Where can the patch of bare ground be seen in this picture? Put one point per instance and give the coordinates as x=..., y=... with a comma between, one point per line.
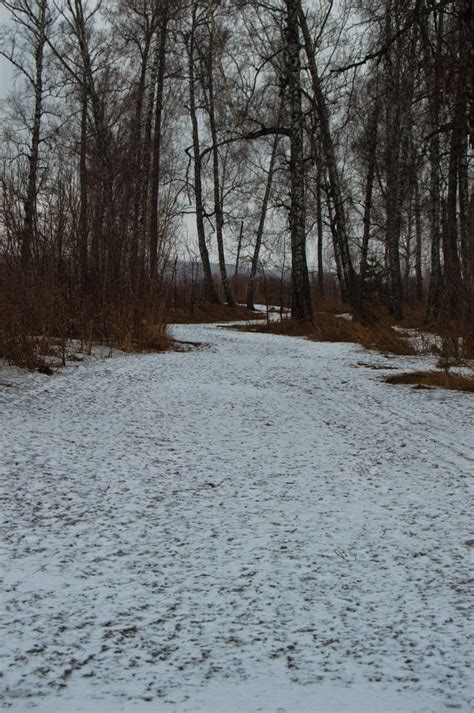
x=206, y=313
x=329, y=328
x=438, y=379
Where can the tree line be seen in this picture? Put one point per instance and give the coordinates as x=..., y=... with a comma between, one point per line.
x=263, y=133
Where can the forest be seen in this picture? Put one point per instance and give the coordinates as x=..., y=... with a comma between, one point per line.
x=159, y=154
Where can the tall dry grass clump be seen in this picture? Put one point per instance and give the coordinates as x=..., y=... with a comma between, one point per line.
x=40, y=316
x=380, y=336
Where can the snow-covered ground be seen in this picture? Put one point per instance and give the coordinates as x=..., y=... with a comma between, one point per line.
x=263, y=525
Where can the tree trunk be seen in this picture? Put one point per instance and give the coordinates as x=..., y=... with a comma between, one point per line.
x=408, y=245
x=239, y=248
x=261, y=226
x=219, y=218
x=372, y=136
x=209, y=287
x=419, y=237
x=393, y=187
x=139, y=194
x=452, y=302
x=339, y=222
x=84, y=199
x=433, y=81
x=301, y=298
x=336, y=248
x=32, y=187
x=319, y=226
x=156, y=148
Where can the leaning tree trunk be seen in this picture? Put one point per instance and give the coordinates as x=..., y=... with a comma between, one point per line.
x=219, y=217
x=336, y=249
x=339, y=224
x=301, y=297
x=209, y=287
x=261, y=226
x=319, y=166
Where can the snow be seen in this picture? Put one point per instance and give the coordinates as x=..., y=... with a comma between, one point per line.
x=263, y=525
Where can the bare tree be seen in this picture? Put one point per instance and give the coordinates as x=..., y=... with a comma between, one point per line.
x=190, y=41
x=35, y=21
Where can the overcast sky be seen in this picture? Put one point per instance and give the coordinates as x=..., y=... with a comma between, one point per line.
x=5, y=67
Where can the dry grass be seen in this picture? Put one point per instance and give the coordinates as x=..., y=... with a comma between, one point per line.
x=286, y=327
x=385, y=339
x=328, y=328
x=456, y=382
x=460, y=331
x=38, y=320
x=148, y=336
x=29, y=319
x=206, y=313
x=331, y=305
x=382, y=337
x=415, y=318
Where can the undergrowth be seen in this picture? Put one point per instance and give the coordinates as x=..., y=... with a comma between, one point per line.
x=206, y=313
x=456, y=382
x=38, y=321
x=329, y=328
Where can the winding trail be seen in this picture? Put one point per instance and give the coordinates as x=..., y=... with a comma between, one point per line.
x=262, y=525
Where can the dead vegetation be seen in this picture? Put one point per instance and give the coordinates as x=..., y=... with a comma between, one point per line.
x=43, y=325
x=451, y=344
x=205, y=313
x=430, y=379
x=329, y=328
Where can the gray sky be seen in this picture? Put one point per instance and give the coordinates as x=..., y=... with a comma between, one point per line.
x=5, y=67
x=5, y=77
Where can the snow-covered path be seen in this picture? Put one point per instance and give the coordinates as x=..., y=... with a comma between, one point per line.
x=326, y=571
